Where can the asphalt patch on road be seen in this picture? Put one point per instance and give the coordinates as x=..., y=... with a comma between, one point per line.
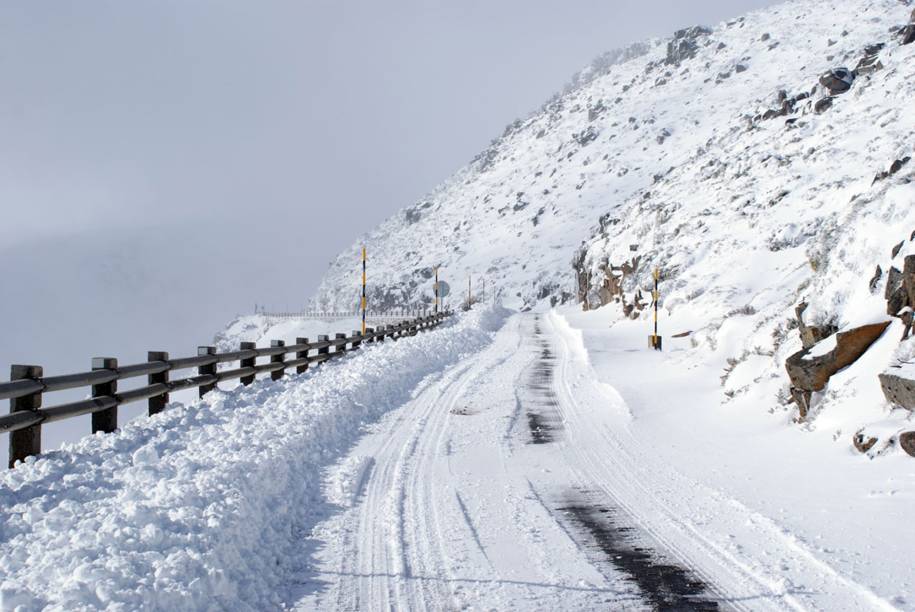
x=607, y=534
x=539, y=400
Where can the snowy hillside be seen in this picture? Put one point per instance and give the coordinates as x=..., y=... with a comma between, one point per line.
x=729, y=157
x=516, y=214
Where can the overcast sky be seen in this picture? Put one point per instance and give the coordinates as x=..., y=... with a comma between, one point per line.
x=165, y=164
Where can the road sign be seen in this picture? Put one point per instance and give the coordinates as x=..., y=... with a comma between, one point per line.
x=443, y=289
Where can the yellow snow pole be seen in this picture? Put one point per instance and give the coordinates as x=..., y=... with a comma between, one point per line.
x=654, y=341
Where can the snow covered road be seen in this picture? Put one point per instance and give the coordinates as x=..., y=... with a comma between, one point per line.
x=513, y=481
x=543, y=461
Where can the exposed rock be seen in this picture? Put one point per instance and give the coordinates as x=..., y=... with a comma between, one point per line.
x=896, y=250
x=908, y=34
x=739, y=68
x=862, y=443
x=823, y=105
x=907, y=317
x=684, y=44
x=908, y=279
x=837, y=80
x=812, y=373
x=895, y=167
x=765, y=37
x=811, y=334
x=802, y=399
x=874, y=49
x=875, y=280
x=898, y=389
x=907, y=442
x=895, y=293
x=586, y=137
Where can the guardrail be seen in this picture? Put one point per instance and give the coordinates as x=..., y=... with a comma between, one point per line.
x=388, y=315
x=28, y=384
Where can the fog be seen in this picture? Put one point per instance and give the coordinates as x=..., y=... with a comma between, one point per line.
x=165, y=165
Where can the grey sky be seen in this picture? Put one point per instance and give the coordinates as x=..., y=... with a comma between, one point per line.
x=165, y=164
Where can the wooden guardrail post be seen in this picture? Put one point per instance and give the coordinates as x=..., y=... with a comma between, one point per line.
x=342, y=347
x=248, y=362
x=26, y=441
x=301, y=355
x=357, y=339
x=277, y=374
x=105, y=421
x=325, y=350
x=157, y=403
x=209, y=368
x=370, y=331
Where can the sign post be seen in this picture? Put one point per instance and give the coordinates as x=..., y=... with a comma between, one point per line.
x=654, y=340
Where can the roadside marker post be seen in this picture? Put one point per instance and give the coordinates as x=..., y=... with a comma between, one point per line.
x=654, y=340
x=363, y=290
x=436, y=289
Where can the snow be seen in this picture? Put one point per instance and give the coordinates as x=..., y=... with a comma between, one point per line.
x=461, y=510
x=444, y=471
x=746, y=218
x=203, y=505
x=827, y=512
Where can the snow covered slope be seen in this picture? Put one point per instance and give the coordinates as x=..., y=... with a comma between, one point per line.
x=663, y=122
x=721, y=157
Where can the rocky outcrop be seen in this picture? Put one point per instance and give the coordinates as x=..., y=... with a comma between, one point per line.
x=837, y=80
x=900, y=288
x=811, y=334
x=684, y=45
x=895, y=167
x=908, y=34
x=907, y=442
x=787, y=105
x=870, y=63
x=809, y=373
x=898, y=389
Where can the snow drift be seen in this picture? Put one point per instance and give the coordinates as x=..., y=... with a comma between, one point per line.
x=203, y=505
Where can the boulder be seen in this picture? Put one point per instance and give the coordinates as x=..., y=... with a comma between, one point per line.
x=811, y=373
x=907, y=442
x=895, y=167
x=811, y=334
x=908, y=34
x=908, y=279
x=897, y=388
x=802, y=399
x=895, y=293
x=837, y=80
x=907, y=317
x=870, y=63
x=875, y=279
x=823, y=105
x=863, y=443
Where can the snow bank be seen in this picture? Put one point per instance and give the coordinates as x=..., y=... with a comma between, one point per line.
x=201, y=506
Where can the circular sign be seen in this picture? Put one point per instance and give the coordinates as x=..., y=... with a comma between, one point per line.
x=443, y=289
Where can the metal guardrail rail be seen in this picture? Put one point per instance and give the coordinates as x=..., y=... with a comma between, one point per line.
x=28, y=384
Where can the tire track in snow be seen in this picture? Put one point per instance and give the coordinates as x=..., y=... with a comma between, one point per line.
x=666, y=505
x=597, y=525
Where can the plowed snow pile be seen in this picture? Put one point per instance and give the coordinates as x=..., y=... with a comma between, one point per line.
x=205, y=504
